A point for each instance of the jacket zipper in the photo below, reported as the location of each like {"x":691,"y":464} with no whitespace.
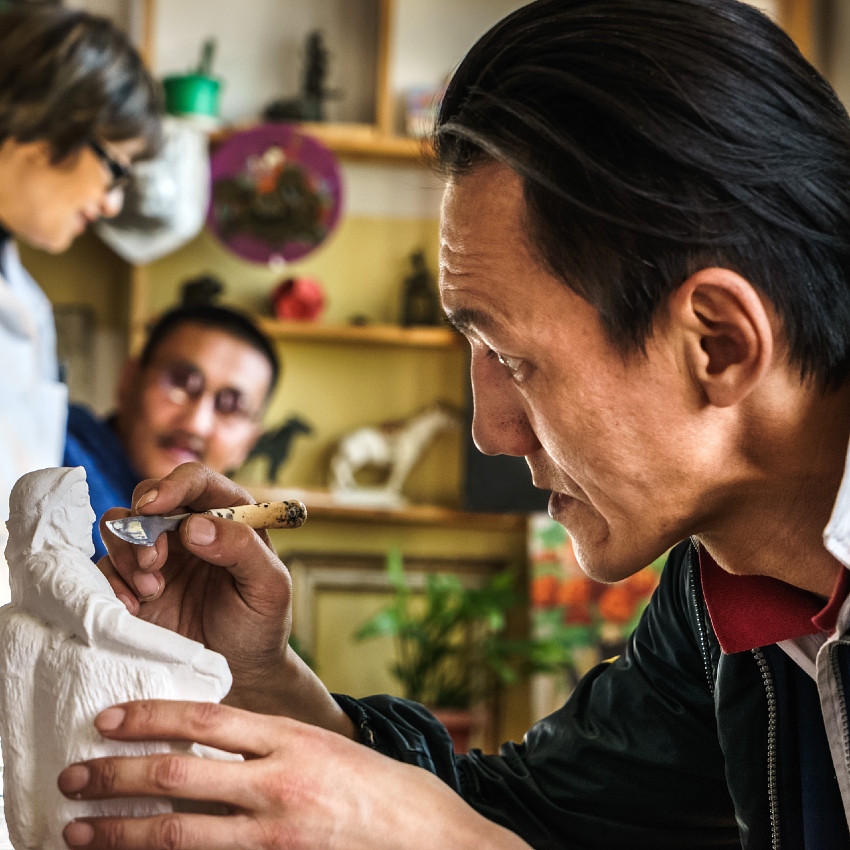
{"x":706,"y":660}
{"x":770,"y":691}
{"x":842,"y":701}
{"x":772,"y":791}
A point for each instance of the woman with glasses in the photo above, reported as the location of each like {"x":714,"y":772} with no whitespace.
{"x":77,"y":107}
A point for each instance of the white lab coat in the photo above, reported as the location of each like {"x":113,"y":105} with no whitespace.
{"x":33,"y":402}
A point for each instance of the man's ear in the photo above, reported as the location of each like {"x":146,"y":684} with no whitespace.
{"x":726,"y":332}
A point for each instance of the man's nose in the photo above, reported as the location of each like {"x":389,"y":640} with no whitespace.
{"x":500,"y":424}
{"x":197,"y":415}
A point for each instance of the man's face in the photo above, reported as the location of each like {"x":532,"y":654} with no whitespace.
{"x":613,"y":437}
{"x":199,"y":399}
{"x":76,"y":517}
{"x":81,"y":517}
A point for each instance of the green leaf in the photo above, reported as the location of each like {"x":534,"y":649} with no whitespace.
{"x":386,"y":622}
{"x":395,"y":571}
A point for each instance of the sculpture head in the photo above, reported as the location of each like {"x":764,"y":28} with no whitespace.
{"x":50,"y":508}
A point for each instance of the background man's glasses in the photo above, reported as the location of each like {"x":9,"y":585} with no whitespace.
{"x":183,"y":382}
{"x":119,"y":173}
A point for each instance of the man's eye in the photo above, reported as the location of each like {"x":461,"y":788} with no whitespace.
{"x":512,"y":364}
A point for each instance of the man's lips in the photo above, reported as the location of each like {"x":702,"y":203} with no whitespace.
{"x":559,"y":504}
{"x":182,"y":447}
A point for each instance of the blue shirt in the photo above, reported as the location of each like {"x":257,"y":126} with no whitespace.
{"x":93,"y":443}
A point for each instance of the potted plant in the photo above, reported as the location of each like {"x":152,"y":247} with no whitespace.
{"x":452,"y":652}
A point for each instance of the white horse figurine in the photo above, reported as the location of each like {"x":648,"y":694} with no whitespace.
{"x":394,"y":446}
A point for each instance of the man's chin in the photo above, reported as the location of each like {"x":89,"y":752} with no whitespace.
{"x":608,"y":563}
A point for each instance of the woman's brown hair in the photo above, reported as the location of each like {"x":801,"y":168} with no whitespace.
{"x":68,"y":77}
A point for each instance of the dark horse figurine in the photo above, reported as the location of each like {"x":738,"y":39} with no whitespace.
{"x":276,"y":444}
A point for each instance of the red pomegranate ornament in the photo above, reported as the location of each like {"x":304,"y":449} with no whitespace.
{"x":298,"y":298}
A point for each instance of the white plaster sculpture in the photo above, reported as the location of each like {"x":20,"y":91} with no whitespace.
{"x":69,"y":649}
{"x":392,"y":446}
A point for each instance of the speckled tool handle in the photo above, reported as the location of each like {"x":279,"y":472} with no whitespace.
{"x":289,"y":514}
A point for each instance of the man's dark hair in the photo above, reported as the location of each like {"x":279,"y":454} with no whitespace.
{"x":658,"y":137}
{"x":68,"y":77}
{"x":230,"y":322}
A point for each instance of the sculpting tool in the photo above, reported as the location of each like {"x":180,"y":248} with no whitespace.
{"x":144,"y":530}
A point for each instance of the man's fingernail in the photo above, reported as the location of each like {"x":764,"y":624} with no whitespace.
{"x":78,"y":833}
{"x":200,"y":531}
{"x":145,"y":555}
{"x":146,"y":498}
{"x":127,"y":602}
{"x":74,"y":778}
{"x":110,"y":719}
{"x":146,"y":584}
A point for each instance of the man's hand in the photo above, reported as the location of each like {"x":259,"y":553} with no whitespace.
{"x":220,"y":583}
{"x":299,"y":787}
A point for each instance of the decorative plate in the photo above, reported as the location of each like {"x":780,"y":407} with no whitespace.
{"x":276,"y":194}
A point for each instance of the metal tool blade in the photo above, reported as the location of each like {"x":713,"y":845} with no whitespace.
{"x":144,"y":530}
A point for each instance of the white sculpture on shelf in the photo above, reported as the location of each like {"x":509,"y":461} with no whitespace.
{"x":394,"y":447}
{"x":68,"y":650}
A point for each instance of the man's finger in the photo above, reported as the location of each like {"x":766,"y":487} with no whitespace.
{"x":137,"y":566}
{"x":223,"y":727}
{"x":168,"y":832}
{"x":119,"y":587}
{"x":172,"y":775}
{"x":263,"y":581}
{"x":190,"y":485}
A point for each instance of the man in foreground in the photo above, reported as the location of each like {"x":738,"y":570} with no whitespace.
{"x":646,"y":240}
{"x":196,"y":392}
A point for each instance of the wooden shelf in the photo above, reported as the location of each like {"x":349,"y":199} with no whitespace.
{"x":431,"y":516}
{"x":319,"y":507}
{"x":353,"y":142}
{"x":388,"y":335}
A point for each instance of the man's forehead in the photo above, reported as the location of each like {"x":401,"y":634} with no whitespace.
{"x":482,"y":217}
{"x":215,"y":351}
{"x":185,"y":338}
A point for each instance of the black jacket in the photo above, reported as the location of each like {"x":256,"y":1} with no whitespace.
{"x":673,"y":745}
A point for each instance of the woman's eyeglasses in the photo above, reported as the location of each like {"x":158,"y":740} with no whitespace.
{"x":183,"y":382}
{"x":119,"y":173}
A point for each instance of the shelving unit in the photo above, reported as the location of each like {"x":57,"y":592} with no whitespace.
{"x":391,"y":335}
{"x":357,"y":142}
{"x":321,"y":507}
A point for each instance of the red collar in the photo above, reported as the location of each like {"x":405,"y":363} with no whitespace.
{"x":751,"y":611}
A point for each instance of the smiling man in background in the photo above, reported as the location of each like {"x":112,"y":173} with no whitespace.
{"x":196,"y":392}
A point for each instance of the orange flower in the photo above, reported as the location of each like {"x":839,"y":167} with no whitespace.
{"x":578,"y":615}
{"x":643,"y":583}
{"x":543,"y":591}
{"x":617,"y":604}
{"x":575,"y":591}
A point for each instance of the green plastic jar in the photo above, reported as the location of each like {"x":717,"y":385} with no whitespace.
{"x":191,"y":94}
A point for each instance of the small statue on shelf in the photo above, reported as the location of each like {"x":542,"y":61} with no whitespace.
{"x":309,"y":105}
{"x":420,"y":304}
{"x":394,"y":447}
{"x":277,"y":444}
{"x":201,"y":290}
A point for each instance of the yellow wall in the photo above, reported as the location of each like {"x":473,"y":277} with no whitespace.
{"x":361,"y":267}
